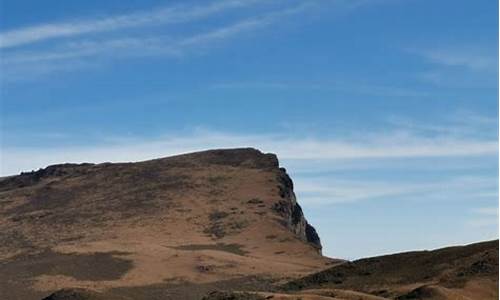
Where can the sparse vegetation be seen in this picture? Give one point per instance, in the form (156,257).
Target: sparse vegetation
(216,230)
(217,215)
(238,225)
(218,295)
(217,179)
(231,248)
(255,201)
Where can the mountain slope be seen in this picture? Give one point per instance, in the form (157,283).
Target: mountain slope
(463,272)
(195,218)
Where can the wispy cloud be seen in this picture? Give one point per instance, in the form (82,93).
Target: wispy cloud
(484,217)
(328,190)
(458,124)
(460,66)
(371,146)
(325,85)
(245,25)
(79,50)
(477,59)
(32,51)
(158,16)
(87,48)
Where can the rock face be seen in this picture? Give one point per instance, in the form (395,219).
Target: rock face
(201,217)
(290,209)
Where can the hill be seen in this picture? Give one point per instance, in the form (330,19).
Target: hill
(138,228)
(462,272)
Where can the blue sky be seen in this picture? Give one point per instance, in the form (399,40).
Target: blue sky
(385,112)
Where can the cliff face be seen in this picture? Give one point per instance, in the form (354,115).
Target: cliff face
(290,209)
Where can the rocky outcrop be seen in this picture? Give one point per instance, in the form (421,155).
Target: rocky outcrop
(81,294)
(30,178)
(289,208)
(240,157)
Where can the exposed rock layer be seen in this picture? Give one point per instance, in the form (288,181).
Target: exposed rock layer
(290,209)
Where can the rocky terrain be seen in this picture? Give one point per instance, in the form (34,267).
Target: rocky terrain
(213,225)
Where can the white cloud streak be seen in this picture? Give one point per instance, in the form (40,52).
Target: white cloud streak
(480,58)
(387,146)
(473,65)
(81,51)
(462,58)
(457,124)
(85,43)
(318,191)
(165,15)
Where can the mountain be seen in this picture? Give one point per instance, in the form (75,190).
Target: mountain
(196,221)
(212,225)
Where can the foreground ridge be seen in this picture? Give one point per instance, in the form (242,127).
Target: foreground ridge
(460,272)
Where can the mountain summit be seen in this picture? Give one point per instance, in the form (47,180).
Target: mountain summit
(203,217)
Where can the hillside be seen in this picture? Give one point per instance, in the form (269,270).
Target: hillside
(220,216)
(454,273)
(462,272)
